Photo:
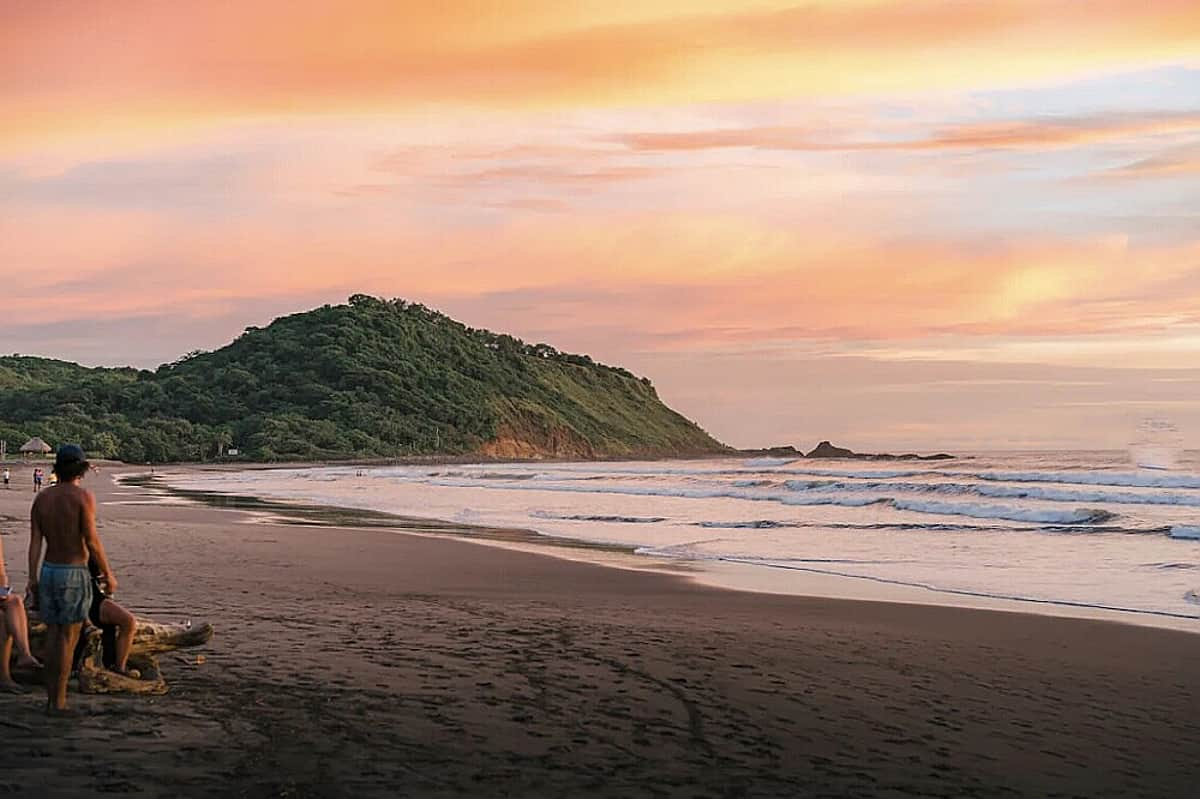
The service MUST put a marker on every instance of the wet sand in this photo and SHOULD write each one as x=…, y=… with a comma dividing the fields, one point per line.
x=371, y=662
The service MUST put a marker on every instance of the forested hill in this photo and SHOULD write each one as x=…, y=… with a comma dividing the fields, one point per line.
x=371, y=379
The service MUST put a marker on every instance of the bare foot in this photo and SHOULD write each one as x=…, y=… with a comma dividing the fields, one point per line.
x=61, y=712
x=13, y=688
x=132, y=674
x=28, y=662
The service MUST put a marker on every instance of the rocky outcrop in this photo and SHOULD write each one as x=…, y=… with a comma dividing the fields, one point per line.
x=781, y=451
x=828, y=450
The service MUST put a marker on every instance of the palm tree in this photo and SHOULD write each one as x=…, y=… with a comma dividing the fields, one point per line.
x=222, y=438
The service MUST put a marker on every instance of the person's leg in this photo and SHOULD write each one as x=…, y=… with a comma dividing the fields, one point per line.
x=126, y=624
x=63, y=638
x=6, y=680
x=18, y=627
x=54, y=639
x=7, y=683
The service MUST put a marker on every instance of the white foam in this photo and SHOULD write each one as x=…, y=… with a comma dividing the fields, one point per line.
x=842, y=502
x=1073, y=495
x=1037, y=516
x=1098, y=478
x=802, y=499
x=753, y=463
x=1014, y=491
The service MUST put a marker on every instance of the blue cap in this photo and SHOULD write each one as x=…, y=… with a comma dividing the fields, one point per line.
x=68, y=454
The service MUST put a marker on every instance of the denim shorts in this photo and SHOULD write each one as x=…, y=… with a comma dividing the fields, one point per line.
x=64, y=593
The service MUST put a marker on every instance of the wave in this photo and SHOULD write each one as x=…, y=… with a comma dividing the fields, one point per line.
x=875, y=485
x=1094, y=478
x=1192, y=596
x=766, y=469
x=1072, y=517
x=687, y=551
x=761, y=462
x=757, y=524
x=1075, y=495
x=1187, y=531
x=1097, y=478
x=1001, y=492
x=487, y=475
x=952, y=527
x=1078, y=516
x=580, y=517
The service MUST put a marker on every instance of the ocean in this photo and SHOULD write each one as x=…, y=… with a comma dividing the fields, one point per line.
x=1046, y=530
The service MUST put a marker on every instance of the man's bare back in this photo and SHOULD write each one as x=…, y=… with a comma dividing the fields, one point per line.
x=64, y=514
x=62, y=521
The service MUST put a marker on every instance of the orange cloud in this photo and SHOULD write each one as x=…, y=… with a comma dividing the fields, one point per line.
x=666, y=280
x=1179, y=162
x=147, y=65
x=1041, y=133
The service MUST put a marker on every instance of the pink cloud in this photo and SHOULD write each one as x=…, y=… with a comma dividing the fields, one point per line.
x=1040, y=133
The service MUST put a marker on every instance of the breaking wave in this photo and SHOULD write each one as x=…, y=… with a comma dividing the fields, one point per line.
x=1097, y=478
x=1093, y=478
x=978, y=511
x=951, y=527
x=582, y=517
x=1047, y=494
x=1033, y=515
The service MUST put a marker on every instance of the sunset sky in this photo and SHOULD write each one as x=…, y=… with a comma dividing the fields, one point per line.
x=923, y=224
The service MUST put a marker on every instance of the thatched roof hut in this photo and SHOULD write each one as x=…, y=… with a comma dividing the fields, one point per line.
x=36, y=446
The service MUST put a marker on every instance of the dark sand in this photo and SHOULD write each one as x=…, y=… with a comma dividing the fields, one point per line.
x=367, y=662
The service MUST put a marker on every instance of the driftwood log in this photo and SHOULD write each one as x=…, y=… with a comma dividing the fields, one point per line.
x=149, y=641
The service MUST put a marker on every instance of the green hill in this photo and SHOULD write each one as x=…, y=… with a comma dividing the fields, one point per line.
x=371, y=379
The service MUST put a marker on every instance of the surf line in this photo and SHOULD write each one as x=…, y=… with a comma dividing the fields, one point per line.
x=963, y=591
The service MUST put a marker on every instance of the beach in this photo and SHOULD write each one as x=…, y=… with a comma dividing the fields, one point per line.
x=374, y=662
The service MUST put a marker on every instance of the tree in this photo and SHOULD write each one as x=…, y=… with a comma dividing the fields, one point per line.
x=222, y=438
x=103, y=444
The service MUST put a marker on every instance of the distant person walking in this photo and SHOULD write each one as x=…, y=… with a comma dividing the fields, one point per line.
x=37, y=480
x=63, y=518
x=7, y=477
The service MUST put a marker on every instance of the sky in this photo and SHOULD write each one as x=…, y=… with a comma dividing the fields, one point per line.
x=917, y=224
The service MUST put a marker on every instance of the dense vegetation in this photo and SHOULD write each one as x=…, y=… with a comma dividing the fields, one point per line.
x=371, y=379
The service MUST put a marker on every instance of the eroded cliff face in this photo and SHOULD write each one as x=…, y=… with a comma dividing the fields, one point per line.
x=536, y=440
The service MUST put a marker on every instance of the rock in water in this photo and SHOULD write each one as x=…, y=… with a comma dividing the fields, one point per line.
x=827, y=450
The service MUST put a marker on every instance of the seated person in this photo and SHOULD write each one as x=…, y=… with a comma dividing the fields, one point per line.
x=117, y=625
x=14, y=628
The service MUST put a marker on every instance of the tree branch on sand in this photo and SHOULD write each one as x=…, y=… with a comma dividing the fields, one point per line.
x=149, y=641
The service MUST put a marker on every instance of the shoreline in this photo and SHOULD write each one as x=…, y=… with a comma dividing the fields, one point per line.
x=363, y=662
x=723, y=573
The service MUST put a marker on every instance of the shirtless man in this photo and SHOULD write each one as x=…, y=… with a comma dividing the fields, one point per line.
x=64, y=516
